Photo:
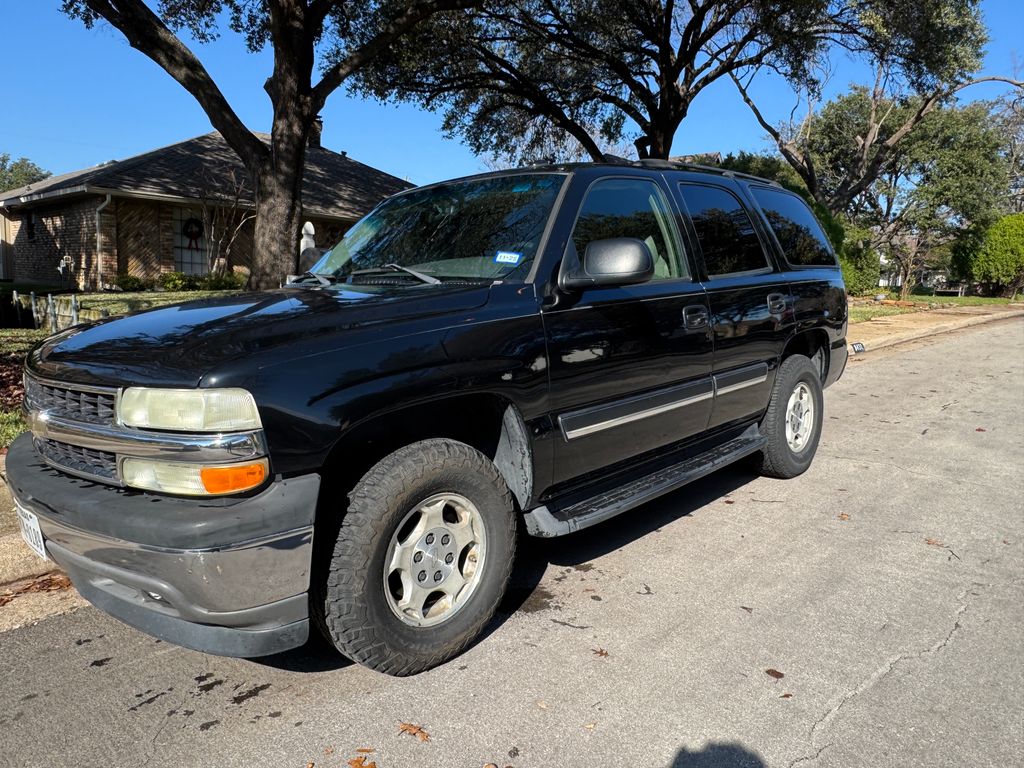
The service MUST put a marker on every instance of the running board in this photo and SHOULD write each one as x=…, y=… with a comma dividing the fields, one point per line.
x=558, y=521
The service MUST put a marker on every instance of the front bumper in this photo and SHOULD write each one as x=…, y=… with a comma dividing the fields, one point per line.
x=227, y=576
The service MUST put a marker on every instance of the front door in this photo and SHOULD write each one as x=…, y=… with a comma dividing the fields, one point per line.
x=751, y=309
x=630, y=366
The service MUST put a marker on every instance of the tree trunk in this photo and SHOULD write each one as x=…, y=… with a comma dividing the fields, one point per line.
x=276, y=236
x=278, y=183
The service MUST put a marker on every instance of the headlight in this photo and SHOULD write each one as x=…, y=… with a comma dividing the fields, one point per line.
x=189, y=410
x=193, y=479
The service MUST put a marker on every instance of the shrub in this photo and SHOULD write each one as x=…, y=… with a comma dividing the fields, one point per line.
x=225, y=281
x=1000, y=259
x=132, y=283
x=178, y=281
x=860, y=263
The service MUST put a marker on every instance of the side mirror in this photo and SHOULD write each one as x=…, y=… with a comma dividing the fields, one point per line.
x=616, y=261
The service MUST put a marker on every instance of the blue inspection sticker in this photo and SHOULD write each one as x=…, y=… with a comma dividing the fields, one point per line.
x=508, y=257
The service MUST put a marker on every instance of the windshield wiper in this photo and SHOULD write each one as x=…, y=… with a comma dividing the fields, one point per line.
x=322, y=279
x=421, y=276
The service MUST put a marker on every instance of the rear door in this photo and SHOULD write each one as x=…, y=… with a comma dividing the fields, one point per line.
x=748, y=294
x=815, y=280
x=630, y=366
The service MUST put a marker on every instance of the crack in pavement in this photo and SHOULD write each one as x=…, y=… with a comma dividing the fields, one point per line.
x=881, y=673
x=808, y=758
x=163, y=726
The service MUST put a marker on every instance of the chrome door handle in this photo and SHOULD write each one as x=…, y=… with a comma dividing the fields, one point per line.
x=695, y=317
x=776, y=303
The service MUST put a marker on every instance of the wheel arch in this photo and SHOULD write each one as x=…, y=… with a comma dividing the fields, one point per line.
x=813, y=344
x=488, y=422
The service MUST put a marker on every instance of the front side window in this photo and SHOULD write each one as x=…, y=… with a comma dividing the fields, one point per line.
x=726, y=234
x=799, y=233
x=633, y=208
x=478, y=229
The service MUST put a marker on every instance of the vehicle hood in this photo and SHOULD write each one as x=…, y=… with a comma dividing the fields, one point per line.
x=176, y=345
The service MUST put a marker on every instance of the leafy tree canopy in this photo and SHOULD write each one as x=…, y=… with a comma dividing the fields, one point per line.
x=1000, y=259
x=299, y=31
x=18, y=173
x=593, y=71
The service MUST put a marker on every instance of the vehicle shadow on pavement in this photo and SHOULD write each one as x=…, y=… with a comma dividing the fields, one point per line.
x=718, y=756
x=535, y=555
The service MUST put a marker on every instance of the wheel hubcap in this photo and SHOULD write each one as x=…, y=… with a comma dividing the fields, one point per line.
x=799, y=417
x=434, y=560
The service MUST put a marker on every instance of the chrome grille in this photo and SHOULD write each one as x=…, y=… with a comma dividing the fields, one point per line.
x=78, y=460
x=93, y=406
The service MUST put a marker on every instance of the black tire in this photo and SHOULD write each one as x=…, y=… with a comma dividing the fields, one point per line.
x=778, y=458
x=349, y=601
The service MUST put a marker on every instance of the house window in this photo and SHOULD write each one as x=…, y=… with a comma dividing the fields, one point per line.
x=190, y=245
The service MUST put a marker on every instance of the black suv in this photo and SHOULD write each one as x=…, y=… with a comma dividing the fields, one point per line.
x=549, y=346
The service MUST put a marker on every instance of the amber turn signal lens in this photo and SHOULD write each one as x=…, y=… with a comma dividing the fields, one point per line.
x=232, y=479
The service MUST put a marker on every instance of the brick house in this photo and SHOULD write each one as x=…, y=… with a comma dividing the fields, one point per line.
x=166, y=210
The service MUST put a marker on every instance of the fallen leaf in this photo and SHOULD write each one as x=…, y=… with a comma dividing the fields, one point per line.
x=729, y=501
x=491, y=765
x=774, y=673
x=786, y=696
x=360, y=762
x=590, y=726
x=599, y=652
x=310, y=764
x=328, y=751
x=366, y=750
x=414, y=730
x=934, y=543
x=980, y=429
x=748, y=610
x=51, y=582
x=843, y=516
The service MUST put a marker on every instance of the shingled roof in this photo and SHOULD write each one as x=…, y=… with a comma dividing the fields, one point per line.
x=334, y=184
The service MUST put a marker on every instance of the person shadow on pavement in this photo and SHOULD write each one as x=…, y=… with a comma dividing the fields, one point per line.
x=718, y=756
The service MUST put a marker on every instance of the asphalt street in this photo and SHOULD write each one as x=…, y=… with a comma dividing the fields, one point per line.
x=868, y=613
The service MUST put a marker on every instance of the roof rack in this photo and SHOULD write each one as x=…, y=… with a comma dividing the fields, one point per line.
x=677, y=165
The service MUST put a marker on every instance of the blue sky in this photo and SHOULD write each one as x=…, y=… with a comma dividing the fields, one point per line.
x=75, y=97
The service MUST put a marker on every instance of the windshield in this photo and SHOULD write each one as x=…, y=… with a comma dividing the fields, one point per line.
x=483, y=229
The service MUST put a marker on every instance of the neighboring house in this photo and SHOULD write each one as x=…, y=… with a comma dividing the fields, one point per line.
x=169, y=210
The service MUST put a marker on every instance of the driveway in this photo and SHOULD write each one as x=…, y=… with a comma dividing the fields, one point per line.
x=868, y=613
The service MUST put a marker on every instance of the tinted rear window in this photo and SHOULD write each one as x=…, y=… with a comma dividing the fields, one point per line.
x=725, y=232
x=800, y=235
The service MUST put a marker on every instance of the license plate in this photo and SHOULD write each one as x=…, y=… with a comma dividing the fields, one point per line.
x=30, y=531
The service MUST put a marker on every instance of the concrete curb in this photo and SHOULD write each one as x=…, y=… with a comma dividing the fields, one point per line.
x=923, y=333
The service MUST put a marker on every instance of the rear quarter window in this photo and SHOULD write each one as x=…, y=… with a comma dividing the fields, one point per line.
x=803, y=241
x=725, y=232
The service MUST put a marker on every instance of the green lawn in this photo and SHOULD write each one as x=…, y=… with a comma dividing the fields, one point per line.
x=11, y=425
x=18, y=341
x=863, y=313
x=14, y=345
x=120, y=303
x=962, y=301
